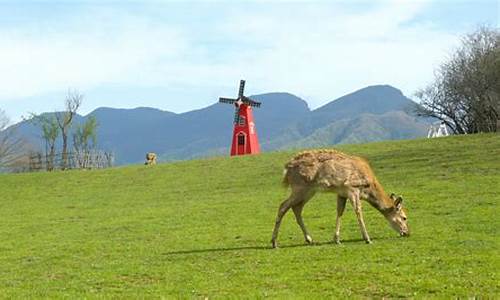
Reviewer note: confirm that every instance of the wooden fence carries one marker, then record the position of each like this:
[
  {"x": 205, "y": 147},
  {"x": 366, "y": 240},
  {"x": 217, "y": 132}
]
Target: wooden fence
[{"x": 94, "y": 159}]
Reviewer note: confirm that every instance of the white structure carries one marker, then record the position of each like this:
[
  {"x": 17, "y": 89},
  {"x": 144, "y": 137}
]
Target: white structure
[{"x": 438, "y": 129}]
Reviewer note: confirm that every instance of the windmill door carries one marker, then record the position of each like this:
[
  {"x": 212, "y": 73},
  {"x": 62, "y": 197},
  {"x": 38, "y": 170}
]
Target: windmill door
[{"x": 242, "y": 142}]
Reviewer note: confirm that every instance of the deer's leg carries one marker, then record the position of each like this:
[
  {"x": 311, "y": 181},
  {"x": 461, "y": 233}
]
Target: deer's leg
[
  {"x": 356, "y": 203},
  {"x": 341, "y": 201},
  {"x": 284, "y": 207},
  {"x": 297, "y": 210},
  {"x": 295, "y": 197}
]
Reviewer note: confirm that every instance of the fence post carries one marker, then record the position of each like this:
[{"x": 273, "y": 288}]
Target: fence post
[{"x": 35, "y": 162}]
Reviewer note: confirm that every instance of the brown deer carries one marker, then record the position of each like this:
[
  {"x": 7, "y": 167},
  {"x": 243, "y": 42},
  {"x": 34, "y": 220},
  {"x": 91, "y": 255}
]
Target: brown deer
[
  {"x": 350, "y": 177},
  {"x": 150, "y": 158}
]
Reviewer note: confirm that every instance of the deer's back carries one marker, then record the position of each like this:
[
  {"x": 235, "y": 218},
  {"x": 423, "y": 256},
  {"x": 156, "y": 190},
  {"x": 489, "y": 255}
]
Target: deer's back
[{"x": 328, "y": 169}]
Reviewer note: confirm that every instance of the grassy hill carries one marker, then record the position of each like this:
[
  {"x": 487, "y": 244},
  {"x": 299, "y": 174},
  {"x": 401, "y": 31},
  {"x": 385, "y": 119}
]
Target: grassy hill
[{"x": 202, "y": 228}]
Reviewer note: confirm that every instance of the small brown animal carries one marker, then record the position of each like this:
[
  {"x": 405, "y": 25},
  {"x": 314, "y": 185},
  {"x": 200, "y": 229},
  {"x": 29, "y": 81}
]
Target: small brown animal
[
  {"x": 350, "y": 177},
  {"x": 150, "y": 158}
]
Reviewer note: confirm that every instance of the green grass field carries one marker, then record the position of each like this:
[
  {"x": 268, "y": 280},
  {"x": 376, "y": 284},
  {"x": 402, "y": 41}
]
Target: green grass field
[{"x": 202, "y": 229}]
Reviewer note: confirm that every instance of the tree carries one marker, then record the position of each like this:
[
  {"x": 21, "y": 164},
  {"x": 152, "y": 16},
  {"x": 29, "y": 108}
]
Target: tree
[
  {"x": 465, "y": 93},
  {"x": 84, "y": 141},
  {"x": 12, "y": 147},
  {"x": 65, "y": 119},
  {"x": 50, "y": 133}
]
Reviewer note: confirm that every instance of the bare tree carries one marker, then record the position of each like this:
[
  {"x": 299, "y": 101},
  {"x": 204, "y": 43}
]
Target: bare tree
[
  {"x": 65, "y": 119},
  {"x": 466, "y": 91},
  {"x": 12, "y": 148}
]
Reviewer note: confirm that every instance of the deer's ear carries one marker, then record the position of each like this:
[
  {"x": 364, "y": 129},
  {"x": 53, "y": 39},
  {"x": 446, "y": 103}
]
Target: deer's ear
[
  {"x": 398, "y": 203},
  {"x": 393, "y": 196}
]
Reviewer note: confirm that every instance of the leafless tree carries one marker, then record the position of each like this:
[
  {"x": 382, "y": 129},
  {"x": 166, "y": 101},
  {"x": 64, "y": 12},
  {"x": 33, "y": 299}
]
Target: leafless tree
[
  {"x": 65, "y": 118},
  {"x": 466, "y": 91},
  {"x": 12, "y": 147}
]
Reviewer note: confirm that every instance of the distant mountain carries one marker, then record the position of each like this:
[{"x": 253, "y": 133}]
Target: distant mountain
[
  {"x": 377, "y": 100},
  {"x": 283, "y": 121},
  {"x": 127, "y": 132},
  {"x": 368, "y": 114},
  {"x": 392, "y": 125}
]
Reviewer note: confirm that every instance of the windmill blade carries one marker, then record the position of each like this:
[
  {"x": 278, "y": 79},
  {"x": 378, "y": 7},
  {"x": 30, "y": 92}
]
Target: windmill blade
[
  {"x": 242, "y": 88},
  {"x": 236, "y": 115},
  {"x": 227, "y": 100},
  {"x": 254, "y": 104},
  {"x": 251, "y": 102}
]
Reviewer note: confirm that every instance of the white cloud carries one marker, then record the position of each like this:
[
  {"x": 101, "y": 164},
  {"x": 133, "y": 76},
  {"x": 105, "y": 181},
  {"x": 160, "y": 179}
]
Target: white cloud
[
  {"x": 318, "y": 51},
  {"x": 322, "y": 54},
  {"x": 81, "y": 55}
]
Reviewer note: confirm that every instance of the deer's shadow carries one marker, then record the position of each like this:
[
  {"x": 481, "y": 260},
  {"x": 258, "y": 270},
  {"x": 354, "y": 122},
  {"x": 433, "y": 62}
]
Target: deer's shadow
[{"x": 262, "y": 248}]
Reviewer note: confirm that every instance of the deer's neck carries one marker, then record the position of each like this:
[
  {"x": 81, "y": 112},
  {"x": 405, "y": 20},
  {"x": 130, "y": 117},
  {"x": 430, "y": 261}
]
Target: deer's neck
[
  {"x": 382, "y": 207},
  {"x": 379, "y": 199}
]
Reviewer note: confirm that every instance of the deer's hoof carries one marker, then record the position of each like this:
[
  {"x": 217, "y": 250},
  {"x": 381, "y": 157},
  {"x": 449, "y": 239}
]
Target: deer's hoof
[
  {"x": 274, "y": 244},
  {"x": 309, "y": 239},
  {"x": 368, "y": 242}
]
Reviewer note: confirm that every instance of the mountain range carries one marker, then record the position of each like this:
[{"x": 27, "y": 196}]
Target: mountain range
[{"x": 283, "y": 121}]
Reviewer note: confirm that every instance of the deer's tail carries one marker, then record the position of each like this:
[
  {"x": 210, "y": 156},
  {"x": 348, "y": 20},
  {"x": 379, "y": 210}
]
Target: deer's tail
[{"x": 285, "y": 183}]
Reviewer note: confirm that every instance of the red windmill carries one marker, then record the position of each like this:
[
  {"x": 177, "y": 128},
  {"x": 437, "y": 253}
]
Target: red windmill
[{"x": 245, "y": 139}]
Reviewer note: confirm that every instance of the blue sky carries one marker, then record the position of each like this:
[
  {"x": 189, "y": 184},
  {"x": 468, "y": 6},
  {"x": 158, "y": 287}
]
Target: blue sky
[{"x": 183, "y": 55}]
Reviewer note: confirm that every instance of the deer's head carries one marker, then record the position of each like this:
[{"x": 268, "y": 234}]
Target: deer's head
[{"x": 397, "y": 216}]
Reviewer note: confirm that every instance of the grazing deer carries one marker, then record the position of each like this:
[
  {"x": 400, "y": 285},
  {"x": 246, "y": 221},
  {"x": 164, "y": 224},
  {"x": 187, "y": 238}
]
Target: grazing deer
[{"x": 350, "y": 177}]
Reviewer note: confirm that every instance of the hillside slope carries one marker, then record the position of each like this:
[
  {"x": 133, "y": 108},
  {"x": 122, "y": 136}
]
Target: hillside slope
[{"x": 202, "y": 229}]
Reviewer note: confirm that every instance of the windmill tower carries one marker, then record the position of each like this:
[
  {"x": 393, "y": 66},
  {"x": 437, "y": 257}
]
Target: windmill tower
[{"x": 245, "y": 139}]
